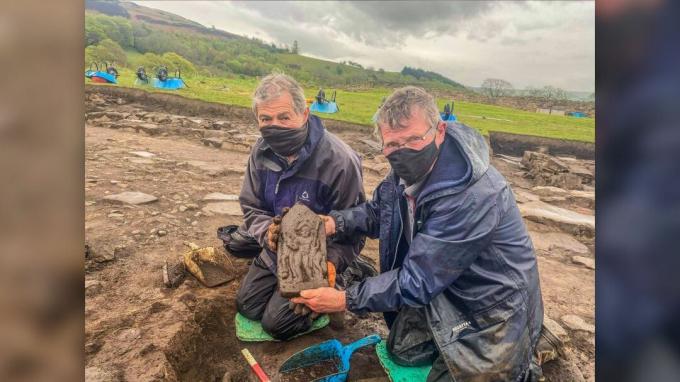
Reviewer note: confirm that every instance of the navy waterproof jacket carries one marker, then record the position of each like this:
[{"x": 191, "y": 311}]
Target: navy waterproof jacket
[
  {"x": 326, "y": 175},
  {"x": 470, "y": 263}
]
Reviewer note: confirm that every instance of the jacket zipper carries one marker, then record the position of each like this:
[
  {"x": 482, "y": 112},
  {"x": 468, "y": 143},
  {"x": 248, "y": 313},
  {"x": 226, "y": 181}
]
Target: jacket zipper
[{"x": 401, "y": 230}]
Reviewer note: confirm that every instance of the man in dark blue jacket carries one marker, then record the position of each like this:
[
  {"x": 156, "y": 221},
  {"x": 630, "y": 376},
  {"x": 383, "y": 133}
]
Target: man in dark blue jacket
[
  {"x": 295, "y": 161},
  {"x": 459, "y": 283}
]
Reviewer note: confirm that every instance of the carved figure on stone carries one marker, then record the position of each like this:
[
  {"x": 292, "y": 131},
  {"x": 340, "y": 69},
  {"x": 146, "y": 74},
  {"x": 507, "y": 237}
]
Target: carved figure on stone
[{"x": 302, "y": 252}]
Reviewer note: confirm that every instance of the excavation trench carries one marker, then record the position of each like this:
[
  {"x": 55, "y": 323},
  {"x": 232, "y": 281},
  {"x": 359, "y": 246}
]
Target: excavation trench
[{"x": 206, "y": 347}]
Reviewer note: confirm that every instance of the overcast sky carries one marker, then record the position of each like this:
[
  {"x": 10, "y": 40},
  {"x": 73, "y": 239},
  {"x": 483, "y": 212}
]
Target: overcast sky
[{"x": 526, "y": 43}]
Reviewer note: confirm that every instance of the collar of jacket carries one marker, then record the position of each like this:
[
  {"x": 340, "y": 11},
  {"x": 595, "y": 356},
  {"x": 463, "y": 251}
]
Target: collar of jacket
[
  {"x": 476, "y": 153},
  {"x": 275, "y": 163}
]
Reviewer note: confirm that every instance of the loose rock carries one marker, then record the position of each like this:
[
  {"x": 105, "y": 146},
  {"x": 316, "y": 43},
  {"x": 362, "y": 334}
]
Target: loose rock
[
  {"x": 548, "y": 170},
  {"x": 585, "y": 261},
  {"x": 143, "y": 154},
  {"x": 224, "y": 208},
  {"x": 219, "y": 197},
  {"x": 130, "y": 197},
  {"x": 101, "y": 255},
  {"x": 575, "y": 322},
  {"x": 555, "y": 328},
  {"x": 214, "y": 142},
  {"x": 141, "y": 161}
]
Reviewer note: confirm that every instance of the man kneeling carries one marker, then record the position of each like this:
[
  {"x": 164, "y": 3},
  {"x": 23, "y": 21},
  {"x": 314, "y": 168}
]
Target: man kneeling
[
  {"x": 459, "y": 284},
  {"x": 295, "y": 161}
]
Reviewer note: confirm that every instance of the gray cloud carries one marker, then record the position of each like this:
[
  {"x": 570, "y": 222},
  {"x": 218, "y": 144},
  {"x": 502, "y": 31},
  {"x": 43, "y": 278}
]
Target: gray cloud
[
  {"x": 527, "y": 43},
  {"x": 375, "y": 23}
]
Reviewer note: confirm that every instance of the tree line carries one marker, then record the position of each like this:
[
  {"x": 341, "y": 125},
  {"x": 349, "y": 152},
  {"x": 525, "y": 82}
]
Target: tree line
[{"x": 552, "y": 96}]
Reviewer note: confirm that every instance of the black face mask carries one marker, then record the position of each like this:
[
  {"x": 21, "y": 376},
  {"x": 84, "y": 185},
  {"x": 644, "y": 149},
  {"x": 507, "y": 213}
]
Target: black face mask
[
  {"x": 412, "y": 165},
  {"x": 284, "y": 141}
]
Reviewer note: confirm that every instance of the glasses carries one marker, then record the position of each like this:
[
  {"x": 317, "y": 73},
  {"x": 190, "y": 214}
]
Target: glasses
[{"x": 411, "y": 142}]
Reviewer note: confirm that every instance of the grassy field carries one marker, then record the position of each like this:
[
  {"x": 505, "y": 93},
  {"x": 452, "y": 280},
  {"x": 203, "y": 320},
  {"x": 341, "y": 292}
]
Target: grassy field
[{"x": 359, "y": 106}]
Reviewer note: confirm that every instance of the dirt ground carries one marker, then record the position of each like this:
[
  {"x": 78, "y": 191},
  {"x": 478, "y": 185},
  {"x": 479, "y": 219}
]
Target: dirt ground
[{"x": 138, "y": 330}]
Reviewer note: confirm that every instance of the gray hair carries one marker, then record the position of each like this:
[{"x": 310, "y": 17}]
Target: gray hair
[
  {"x": 399, "y": 106},
  {"x": 273, "y": 86}
]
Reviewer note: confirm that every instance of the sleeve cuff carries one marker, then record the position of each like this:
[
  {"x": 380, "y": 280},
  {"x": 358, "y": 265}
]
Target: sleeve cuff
[
  {"x": 350, "y": 297},
  {"x": 339, "y": 225}
]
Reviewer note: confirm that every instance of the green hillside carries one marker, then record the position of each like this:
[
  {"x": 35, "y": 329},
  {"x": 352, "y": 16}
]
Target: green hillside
[
  {"x": 215, "y": 52},
  {"x": 222, "y": 67}
]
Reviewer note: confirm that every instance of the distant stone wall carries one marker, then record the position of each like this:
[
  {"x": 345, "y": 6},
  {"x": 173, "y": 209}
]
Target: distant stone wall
[
  {"x": 177, "y": 104},
  {"x": 172, "y": 103},
  {"x": 517, "y": 144}
]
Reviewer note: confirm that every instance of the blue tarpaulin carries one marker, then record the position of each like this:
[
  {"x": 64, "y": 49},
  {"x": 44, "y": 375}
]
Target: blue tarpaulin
[
  {"x": 451, "y": 117},
  {"x": 172, "y": 83},
  {"x": 327, "y": 107},
  {"x": 103, "y": 76},
  {"x": 577, "y": 114}
]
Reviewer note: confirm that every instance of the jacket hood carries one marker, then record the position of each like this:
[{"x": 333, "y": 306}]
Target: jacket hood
[{"x": 460, "y": 140}]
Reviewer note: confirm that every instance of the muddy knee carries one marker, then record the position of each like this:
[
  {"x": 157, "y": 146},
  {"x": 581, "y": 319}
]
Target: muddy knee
[
  {"x": 285, "y": 324},
  {"x": 275, "y": 327},
  {"x": 249, "y": 307}
]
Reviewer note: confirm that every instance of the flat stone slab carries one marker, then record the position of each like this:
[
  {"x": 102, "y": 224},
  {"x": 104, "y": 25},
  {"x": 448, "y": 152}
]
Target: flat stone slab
[
  {"x": 575, "y": 322},
  {"x": 213, "y": 169},
  {"x": 555, "y": 328},
  {"x": 549, "y": 191},
  {"x": 143, "y": 154},
  {"x": 524, "y": 196},
  {"x": 570, "y": 221},
  {"x": 141, "y": 160},
  {"x": 557, "y": 242},
  {"x": 232, "y": 208},
  {"x": 584, "y": 199},
  {"x": 237, "y": 145},
  {"x": 585, "y": 261},
  {"x": 126, "y": 124},
  {"x": 565, "y": 198},
  {"x": 130, "y": 197},
  {"x": 220, "y": 197},
  {"x": 149, "y": 128}
]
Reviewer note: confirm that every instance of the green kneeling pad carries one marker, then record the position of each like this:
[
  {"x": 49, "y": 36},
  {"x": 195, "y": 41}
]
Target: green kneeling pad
[
  {"x": 251, "y": 331},
  {"x": 398, "y": 373}
]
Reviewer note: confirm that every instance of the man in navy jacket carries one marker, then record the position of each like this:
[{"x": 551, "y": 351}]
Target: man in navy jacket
[
  {"x": 295, "y": 161},
  {"x": 459, "y": 283}
]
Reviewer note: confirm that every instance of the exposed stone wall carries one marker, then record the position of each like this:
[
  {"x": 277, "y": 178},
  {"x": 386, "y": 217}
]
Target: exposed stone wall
[{"x": 517, "y": 144}]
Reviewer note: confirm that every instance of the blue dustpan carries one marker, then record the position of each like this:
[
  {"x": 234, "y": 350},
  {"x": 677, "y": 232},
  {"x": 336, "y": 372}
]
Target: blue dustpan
[{"x": 329, "y": 350}]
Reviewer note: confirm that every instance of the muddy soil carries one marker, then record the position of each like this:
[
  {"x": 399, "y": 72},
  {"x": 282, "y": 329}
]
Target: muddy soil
[{"x": 138, "y": 330}]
